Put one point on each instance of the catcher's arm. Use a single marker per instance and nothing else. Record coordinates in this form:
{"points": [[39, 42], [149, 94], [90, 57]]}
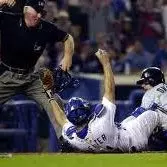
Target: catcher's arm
{"points": [[60, 117], [109, 83], [48, 82]]}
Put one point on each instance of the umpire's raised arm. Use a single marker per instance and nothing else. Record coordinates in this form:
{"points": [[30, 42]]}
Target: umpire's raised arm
{"points": [[109, 83]]}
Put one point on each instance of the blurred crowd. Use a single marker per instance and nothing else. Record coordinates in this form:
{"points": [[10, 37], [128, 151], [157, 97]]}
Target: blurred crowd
{"points": [[133, 31]]}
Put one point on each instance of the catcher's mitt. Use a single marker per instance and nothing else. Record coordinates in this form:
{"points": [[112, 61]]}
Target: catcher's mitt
{"points": [[47, 78]]}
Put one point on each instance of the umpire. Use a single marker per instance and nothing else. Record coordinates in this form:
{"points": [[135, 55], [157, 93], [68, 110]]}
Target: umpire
{"points": [[23, 39]]}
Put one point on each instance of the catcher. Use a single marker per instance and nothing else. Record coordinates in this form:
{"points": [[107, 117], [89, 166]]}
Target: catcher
{"points": [[92, 128]]}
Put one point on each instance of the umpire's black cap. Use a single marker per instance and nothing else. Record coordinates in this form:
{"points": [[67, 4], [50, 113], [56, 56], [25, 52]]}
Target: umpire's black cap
{"points": [[38, 5]]}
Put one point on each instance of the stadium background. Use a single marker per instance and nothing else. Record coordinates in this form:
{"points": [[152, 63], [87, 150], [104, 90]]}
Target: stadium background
{"points": [[133, 31]]}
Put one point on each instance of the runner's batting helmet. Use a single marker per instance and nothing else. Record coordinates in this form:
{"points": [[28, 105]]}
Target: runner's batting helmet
{"points": [[152, 76]]}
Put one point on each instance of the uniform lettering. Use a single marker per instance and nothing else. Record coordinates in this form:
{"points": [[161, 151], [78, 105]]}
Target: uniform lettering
{"points": [[100, 140], [94, 145], [90, 149], [162, 89], [96, 142], [91, 142], [103, 137]]}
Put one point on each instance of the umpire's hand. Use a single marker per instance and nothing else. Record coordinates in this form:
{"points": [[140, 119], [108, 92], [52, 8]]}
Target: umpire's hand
{"points": [[9, 3], [66, 63]]}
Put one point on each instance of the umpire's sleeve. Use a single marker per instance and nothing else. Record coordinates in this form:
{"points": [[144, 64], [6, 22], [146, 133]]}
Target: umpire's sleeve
{"points": [[57, 35]]}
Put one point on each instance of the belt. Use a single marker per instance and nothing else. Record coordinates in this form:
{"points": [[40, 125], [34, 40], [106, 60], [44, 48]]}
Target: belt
{"points": [[5, 67]]}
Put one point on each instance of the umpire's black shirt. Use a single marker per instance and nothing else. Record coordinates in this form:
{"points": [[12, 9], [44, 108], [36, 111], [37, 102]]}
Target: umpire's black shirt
{"points": [[22, 46]]}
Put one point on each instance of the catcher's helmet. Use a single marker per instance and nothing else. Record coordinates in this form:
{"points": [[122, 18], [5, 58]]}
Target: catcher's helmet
{"points": [[152, 76], [78, 111]]}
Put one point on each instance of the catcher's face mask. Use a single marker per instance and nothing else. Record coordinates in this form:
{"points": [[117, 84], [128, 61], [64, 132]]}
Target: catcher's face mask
{"points": [[63, 80]]}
